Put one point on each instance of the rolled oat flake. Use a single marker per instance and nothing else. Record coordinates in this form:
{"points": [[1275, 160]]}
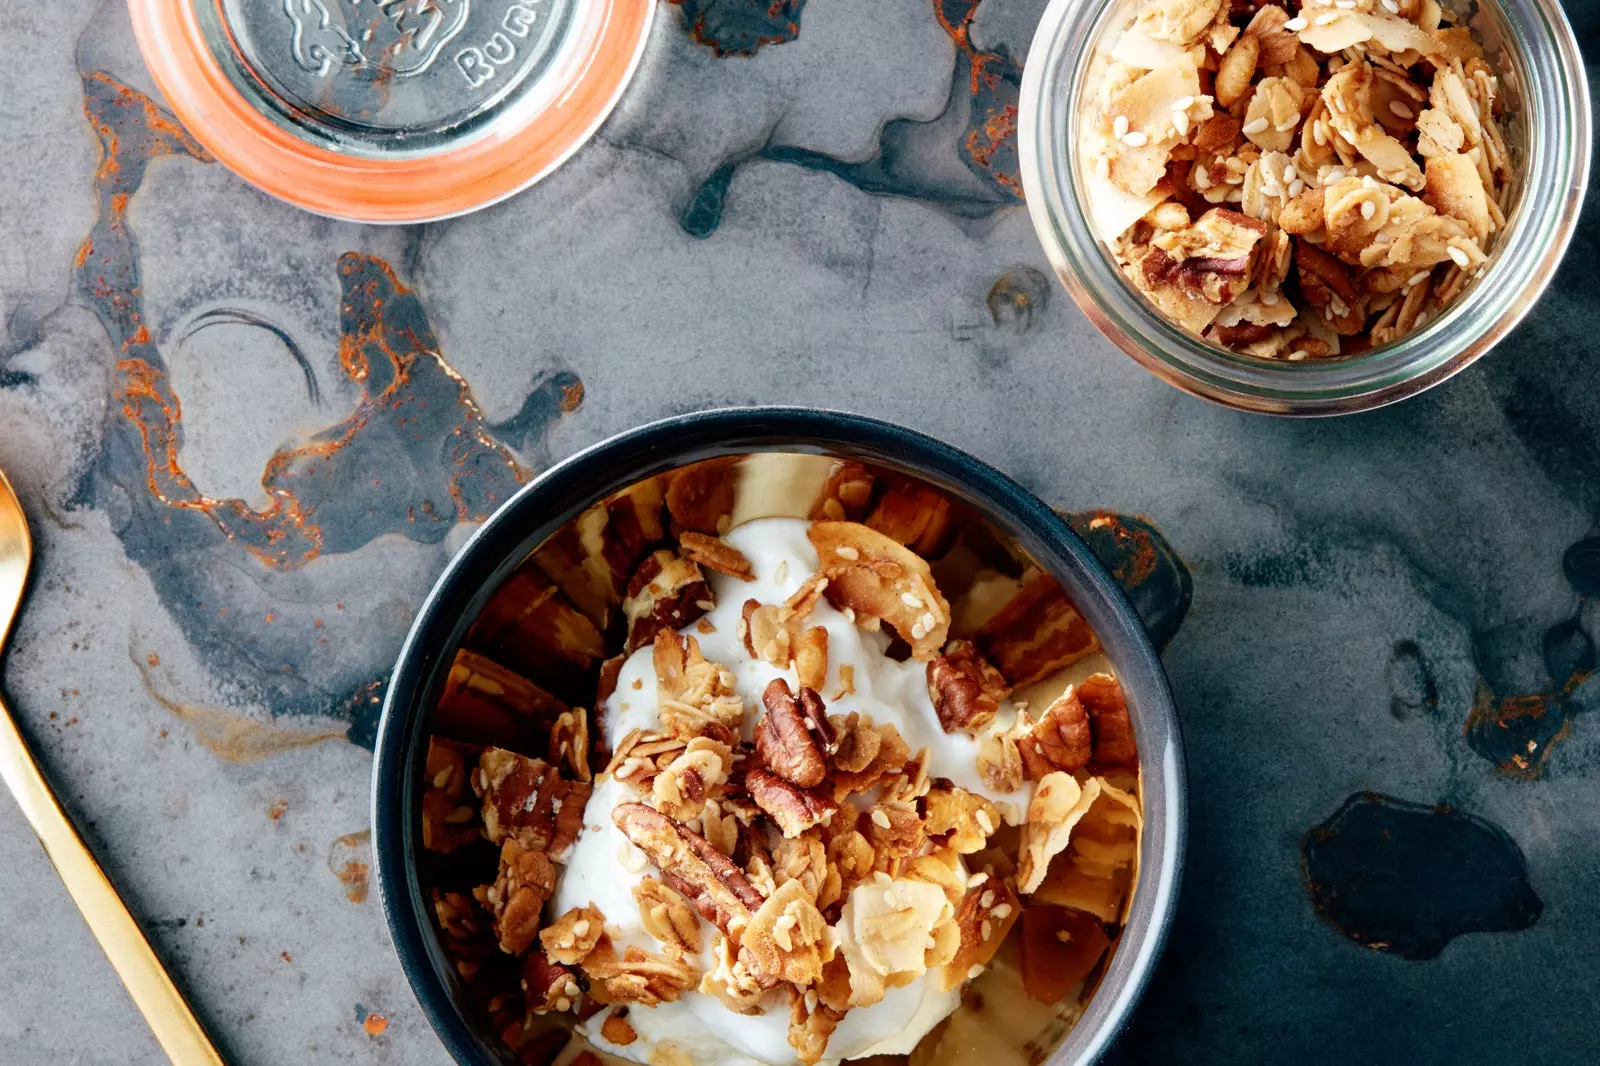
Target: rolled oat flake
{"points": [[392, 110]]}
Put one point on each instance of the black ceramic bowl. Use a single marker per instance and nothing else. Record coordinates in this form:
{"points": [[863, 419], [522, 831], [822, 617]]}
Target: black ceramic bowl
{"points": [[567, 489]]}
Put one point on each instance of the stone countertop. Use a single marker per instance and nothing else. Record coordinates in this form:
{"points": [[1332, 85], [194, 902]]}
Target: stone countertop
{"points": [[1400, 603]]}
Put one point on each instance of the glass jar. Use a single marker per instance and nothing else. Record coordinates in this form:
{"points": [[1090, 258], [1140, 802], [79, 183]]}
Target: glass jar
{"points": [[394, 110], [1533, 50]]}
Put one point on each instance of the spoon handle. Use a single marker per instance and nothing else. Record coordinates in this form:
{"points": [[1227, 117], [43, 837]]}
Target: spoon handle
{"points": [[176, 1029]]}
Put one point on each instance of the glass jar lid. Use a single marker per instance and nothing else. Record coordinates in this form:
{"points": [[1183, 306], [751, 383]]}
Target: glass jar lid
{"points": [[392, 110]]}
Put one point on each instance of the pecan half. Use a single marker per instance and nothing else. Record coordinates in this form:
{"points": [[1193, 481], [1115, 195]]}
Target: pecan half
{"points": [[794, 809], [1036, 633], [718, 889], [966, 690], [794, 738], [666, 592], [1059, 741], [526, 800], [1102, 697], [716, 554]]}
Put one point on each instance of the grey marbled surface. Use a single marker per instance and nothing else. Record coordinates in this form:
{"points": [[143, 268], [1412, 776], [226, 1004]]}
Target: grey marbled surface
{"points": [[1379, 600]]}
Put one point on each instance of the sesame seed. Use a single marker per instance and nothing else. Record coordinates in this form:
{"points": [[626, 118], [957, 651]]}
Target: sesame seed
{"points": [[1295, 25], [1348, 5], [1416, 279], [977, 879], [1102, 169], [1183, 103], [1391, 7], [1400, 109], [1002, 912], [1296, 187], [930, 622], [1368, 209], [1119, 127], [563, 1003], [882, 878], [1180, 122], [1135, 139], [1269, 298], [844, 551], [973, 973], [1290, 173], [985, 928], [1063, 936], [1202, 180], [1333, 177], [880, 819], [984, 821], [910, 599], [1461, 258], [580, 927], [987, 899], [888, 897], [1326, 18], [811, 1000], [1255, 125], [1288, 124], [1296, 356], [919, 631]]}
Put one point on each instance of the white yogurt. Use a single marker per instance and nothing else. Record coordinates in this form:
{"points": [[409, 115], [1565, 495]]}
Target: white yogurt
{"points": [[890, 692]]}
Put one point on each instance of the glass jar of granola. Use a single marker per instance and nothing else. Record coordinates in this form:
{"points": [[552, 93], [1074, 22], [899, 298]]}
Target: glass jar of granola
{"points": [[1308, 207]]}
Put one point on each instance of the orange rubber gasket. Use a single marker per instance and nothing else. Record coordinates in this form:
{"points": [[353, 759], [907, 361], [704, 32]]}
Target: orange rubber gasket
{"points": [[491, 167]]}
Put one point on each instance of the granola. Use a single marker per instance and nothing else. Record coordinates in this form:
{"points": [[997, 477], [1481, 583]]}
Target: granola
{"points": [[796, 792], [1298, 187]]}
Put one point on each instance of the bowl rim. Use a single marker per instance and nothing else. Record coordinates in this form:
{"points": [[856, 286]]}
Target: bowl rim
{"points": [[567, 488]]}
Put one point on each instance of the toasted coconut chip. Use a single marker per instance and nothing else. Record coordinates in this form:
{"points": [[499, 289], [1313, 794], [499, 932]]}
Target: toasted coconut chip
{"points": [[877, 577], [1058, 804]]}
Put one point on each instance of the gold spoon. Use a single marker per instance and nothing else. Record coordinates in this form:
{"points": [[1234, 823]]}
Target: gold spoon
{"points": [[158, 999]]}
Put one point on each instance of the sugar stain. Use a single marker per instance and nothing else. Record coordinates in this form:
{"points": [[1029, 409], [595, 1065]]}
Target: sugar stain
{"points": [[1406, 879]]}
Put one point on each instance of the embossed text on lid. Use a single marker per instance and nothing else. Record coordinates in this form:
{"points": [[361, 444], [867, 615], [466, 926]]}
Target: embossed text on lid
{"points": [[385, 77]]}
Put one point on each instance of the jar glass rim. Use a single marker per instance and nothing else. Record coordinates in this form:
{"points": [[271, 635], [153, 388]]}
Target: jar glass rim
{"points": [[1555, 111]]}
